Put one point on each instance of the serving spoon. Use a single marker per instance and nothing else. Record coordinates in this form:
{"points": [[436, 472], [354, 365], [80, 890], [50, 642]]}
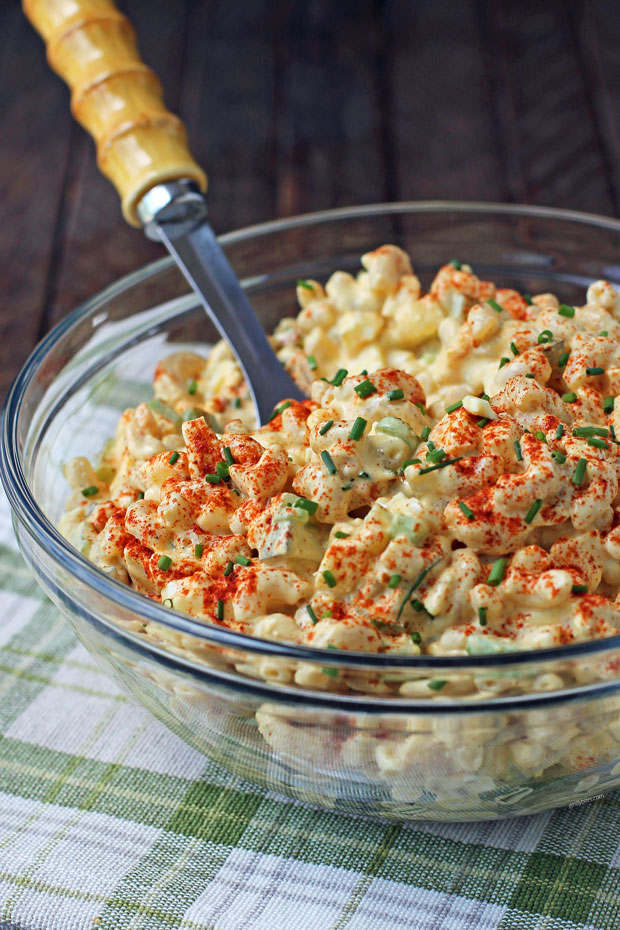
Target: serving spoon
{"points": [[142, 148]]}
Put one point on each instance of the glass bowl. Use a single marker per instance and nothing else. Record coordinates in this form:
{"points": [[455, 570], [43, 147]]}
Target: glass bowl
{"points": [[539, 730]]}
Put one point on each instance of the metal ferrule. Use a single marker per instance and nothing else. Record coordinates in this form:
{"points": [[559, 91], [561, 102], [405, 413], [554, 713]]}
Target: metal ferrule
{"points": [[179, 204]]}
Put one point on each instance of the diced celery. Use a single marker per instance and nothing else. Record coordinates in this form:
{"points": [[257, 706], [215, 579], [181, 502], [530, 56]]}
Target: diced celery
{"points": [[392, 426]]}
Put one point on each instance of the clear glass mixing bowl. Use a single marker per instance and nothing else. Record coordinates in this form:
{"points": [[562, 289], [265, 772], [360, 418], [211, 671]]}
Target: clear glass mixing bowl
{"points": [[540, 730]]}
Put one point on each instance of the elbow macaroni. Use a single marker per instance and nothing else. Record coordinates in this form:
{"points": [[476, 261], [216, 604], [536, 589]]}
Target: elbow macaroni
{"points": [[451, 486]]}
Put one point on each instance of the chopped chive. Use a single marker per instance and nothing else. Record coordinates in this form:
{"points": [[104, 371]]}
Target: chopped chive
{"points": [[518, 452], [485, 397], [363, 474], [303, 503], [212, 479], [604, 332], [237, 403], [503, 361], [565, 310], [612, 433], [329, 463], [365, 389], [420, 407], [396, 394], [357, 430], [467, 510], [559, 457], [164, 563], [312, 362], [140, 495], [278, 410], [482, 616], [347, 487], [569, 398], [394, 581], [528, 299], [330, 579], [416, 584], [416, 639], [455, 263], [563, 359], [167, 602], [221, 470], [540, 435], [514, 349], [305, 284], [494, 304], [219, 612], [579, 473], [498, 570], [229, 567], [173, 458], [608, 404], [559, 431], [418, 606], [90, 491], [431, 446], [228, 455], [545, 336], [326, 427], [198, 550], [425, 471], [364, 372], [436, 684], [598, 443], [340, 535], [579, 589], [192, 387], [482, 423], [409, 462], [529, 375], [312, 614], [585, 431], [531, 514], [454, 407], [331, 672], [243, 560], [425, 432], [435, 455], [592, 372], [339, 377]]}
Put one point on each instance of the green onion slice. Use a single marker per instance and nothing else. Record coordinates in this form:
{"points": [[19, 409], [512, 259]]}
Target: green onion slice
{"points": [[357, 430], [365, 389], [498, 570]]}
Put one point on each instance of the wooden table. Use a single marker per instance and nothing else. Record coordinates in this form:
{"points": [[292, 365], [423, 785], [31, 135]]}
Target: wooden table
{"points": [[295, 106]]}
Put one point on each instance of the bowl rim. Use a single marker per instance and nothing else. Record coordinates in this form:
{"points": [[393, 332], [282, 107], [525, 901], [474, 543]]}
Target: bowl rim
{"points": [[45, 534]]}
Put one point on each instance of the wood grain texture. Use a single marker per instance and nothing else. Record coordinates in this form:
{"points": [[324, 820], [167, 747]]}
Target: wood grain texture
{"points": [[34, 150], [294, 106]]}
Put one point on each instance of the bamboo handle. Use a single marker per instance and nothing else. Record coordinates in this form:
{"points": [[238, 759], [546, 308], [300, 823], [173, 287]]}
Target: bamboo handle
{"points": [[115, 96]]}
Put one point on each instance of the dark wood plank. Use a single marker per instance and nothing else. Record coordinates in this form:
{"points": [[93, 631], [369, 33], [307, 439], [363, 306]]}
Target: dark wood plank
{"points": [[330, 118], [596, 27], [227, 96], [34, 147], [443, 127], [547, 127]]}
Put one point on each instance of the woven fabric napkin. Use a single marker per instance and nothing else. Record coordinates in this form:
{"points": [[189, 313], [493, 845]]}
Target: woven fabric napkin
{"points": [[109, 822]]}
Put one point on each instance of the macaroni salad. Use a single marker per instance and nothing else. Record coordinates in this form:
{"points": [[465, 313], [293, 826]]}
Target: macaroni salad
{"points": [[450, 487]]}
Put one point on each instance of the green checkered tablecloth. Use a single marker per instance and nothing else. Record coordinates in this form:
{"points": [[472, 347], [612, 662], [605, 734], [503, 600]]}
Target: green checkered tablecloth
{"points": [[108, 821]]}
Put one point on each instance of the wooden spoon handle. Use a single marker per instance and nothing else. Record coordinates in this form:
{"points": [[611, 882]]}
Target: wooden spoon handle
{"points": [[115, 96]]}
